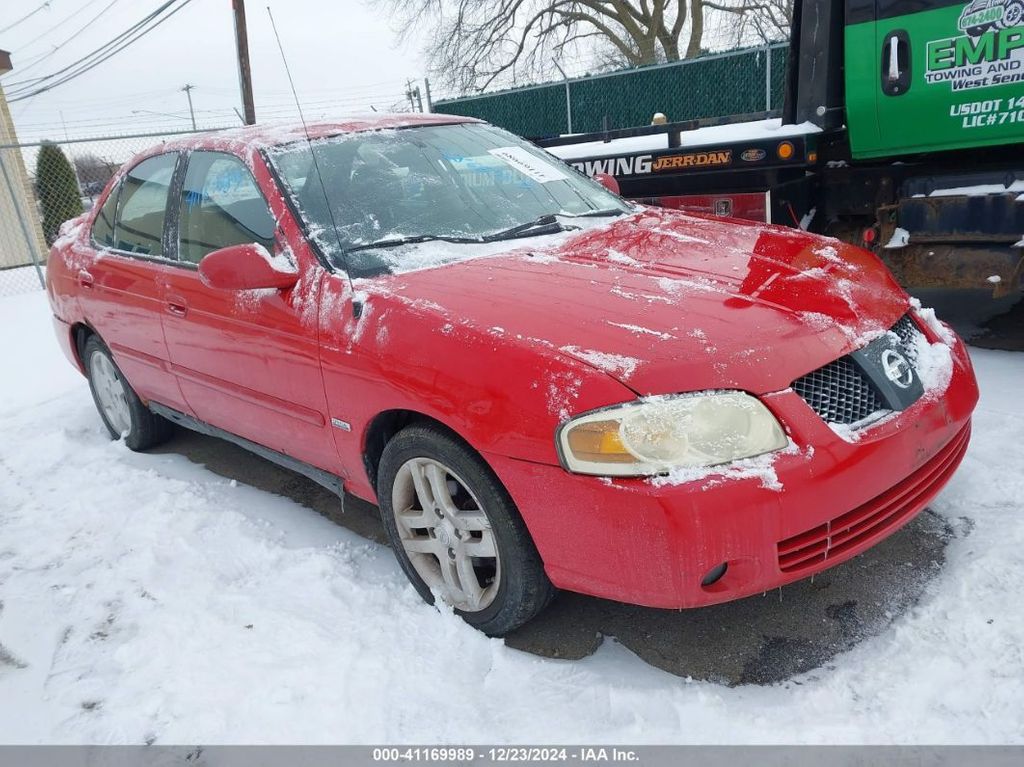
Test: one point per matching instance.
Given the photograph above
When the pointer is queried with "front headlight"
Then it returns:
(658, 434)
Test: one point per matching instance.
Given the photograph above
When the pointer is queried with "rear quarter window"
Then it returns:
(103, 226)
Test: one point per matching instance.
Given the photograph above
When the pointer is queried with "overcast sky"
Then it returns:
(344, 56)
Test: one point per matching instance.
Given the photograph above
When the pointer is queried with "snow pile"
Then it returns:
(934, 365)
(281, 262)
(146, 599)
(621, 258)
(70, 231)
(647, 297)
(934, 324)
(614, 364)
(829, 253)
(900, 239)
(853, 432)
(977, 190)
(641, 330)
(246, 301)
(563, 389)
(761, 468)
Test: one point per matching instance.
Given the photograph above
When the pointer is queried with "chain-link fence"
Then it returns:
(714, 85)
(42, 184)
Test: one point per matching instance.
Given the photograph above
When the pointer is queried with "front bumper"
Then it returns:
(635, 542)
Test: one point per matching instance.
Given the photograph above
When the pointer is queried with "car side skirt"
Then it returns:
(330, 481)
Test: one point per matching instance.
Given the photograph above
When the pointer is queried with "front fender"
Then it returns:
(502, 393)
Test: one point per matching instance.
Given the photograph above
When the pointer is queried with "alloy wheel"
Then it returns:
(446, 534)
(110, 392)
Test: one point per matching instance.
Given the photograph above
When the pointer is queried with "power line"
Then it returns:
(28, 15)
(53, 27)
(32, 81)
(269, 109)
(37, 60)
(103, 53)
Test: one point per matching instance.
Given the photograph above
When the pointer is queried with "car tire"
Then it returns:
(122, 412)
(475, 515)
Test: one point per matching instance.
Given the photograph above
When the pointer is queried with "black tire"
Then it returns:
(146, 429)
(523, 589)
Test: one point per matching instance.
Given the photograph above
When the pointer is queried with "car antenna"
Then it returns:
(357, 306)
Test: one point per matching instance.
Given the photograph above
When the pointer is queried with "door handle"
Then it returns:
(894, 59)
(896, 68)
(177, 306)
(85, 279)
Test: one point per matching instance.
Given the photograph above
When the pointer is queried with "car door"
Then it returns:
(246, 361)
(121, 289)
(946, 74)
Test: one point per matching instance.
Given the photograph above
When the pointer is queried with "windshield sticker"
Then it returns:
(527, 164)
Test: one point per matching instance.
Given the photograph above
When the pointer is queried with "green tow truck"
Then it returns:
(902, 132)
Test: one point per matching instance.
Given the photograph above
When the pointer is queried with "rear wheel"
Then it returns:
(457, 533)
(123, 413)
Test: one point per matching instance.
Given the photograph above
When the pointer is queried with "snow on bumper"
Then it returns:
(640, 542)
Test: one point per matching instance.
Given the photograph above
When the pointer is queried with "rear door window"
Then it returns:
(221, 205)
(142, 206)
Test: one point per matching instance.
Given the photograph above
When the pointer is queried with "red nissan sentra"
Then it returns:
(541, 385)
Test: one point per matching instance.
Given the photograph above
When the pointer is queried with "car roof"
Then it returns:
(242, 140)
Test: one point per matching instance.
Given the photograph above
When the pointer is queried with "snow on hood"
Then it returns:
(666, 302)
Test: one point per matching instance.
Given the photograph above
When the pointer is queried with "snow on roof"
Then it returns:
(271, 135)
(717, 134)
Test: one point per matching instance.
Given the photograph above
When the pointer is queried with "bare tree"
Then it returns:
(93, 172)
(763, 21)
(476, 42)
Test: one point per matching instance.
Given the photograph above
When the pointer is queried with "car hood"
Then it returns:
(667, 302)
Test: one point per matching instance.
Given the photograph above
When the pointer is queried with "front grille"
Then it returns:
(839, 392)
(908, 333)
(878, 516)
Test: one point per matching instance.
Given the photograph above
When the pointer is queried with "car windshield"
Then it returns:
(385, 190)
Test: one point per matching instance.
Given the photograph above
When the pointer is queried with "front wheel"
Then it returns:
(456, 532)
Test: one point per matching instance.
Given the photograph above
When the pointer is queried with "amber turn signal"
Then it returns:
(599, 441)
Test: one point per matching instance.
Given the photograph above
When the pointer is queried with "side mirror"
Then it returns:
(608, 181)
(244, 267)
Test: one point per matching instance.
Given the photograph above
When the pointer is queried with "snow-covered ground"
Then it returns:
(143, 598)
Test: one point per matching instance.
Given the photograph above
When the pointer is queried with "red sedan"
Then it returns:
(541, 385)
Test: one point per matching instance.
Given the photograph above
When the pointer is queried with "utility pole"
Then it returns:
(430, 101)
(244, 75)
(414, 96)
(188, 92)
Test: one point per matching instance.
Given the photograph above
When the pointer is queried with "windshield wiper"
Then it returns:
(397, 241)
(546, 224)
(596, 213)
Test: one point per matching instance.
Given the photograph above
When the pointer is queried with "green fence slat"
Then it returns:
(711, 86)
